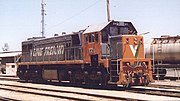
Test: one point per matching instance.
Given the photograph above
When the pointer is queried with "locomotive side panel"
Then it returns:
(50, 58)
(52, 49)
(48, 52)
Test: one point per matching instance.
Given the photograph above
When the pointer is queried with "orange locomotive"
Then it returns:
(108, 53)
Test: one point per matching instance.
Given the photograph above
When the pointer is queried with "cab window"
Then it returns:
(124, 30)
(113, 31)
(96, 37)
(86, 38)
(93, 37)
(104, 35)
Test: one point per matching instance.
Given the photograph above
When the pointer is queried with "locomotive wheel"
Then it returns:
(72, 79)
(78, 82)
(75, 81)
(61, 75)
(90, 82)
(104, 80)
(78, 77)
(154, 77)
(128, 85)
(38, 76)
(26, 76)
(21, 75)
(86, 78)
(87, 81)
(137, 78)
(3, 70)
(173, 79)
(145, 81)
(161, 77)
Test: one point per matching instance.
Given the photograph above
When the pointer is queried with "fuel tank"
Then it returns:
(165, 49)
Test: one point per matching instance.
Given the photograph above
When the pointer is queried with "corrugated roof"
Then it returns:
(9, 54)
(96, 28)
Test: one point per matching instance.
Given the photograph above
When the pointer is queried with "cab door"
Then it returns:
(91, 48)
(116, 47)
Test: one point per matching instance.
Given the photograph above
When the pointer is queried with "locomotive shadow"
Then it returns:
(67, 84)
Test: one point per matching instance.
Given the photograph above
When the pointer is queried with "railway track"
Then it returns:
(70, 95)
(165, 86)
(78, 95)
(156, 91)
(7, 99)
(9, 78)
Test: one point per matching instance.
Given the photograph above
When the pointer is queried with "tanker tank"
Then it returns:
(165, 53)
(166, 49)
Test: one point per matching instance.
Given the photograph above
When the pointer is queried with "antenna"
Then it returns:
(108, 11)
(42, 14)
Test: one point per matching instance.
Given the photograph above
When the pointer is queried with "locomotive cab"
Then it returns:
(117, 47)
(105, 39)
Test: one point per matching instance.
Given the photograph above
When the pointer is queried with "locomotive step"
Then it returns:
(113, 83)
(114, 64)
(113, 70)
(114, 76)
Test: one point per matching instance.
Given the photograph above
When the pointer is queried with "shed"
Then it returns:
(8, 62)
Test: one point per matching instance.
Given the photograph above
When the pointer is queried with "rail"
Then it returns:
(166, 73)
(156, 91)
(57, 93)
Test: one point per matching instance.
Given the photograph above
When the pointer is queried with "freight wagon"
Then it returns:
(165, 52)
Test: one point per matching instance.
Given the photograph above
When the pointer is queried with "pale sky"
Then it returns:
(21, 19)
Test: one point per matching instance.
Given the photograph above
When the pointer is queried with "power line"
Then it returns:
(78, 13)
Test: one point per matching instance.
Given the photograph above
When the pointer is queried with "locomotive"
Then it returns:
(165, 52)
(107, 53)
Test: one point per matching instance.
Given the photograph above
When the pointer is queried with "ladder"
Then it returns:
(159, 53)
(114, 71)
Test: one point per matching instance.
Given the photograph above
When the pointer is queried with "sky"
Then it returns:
(21, 19)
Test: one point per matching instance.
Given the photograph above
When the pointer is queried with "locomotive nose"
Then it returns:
(136, 73)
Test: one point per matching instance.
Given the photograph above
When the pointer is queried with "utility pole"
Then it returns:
(42, 21)
(108, 11)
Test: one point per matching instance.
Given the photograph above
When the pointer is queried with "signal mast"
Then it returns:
(108, 11)
(43, 15)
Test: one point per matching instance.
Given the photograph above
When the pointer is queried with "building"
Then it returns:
(8, 62)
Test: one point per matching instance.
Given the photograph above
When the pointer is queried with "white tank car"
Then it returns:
(165, 51)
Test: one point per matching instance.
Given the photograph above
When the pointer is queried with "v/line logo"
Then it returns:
(133, 49)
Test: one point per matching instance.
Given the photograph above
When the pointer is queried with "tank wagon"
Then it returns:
(108, 53)
(165, 51)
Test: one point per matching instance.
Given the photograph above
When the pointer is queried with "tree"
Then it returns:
(6, 47)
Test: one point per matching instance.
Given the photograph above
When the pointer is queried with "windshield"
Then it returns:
(119, 31)
(117, 28)
(113, 31)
